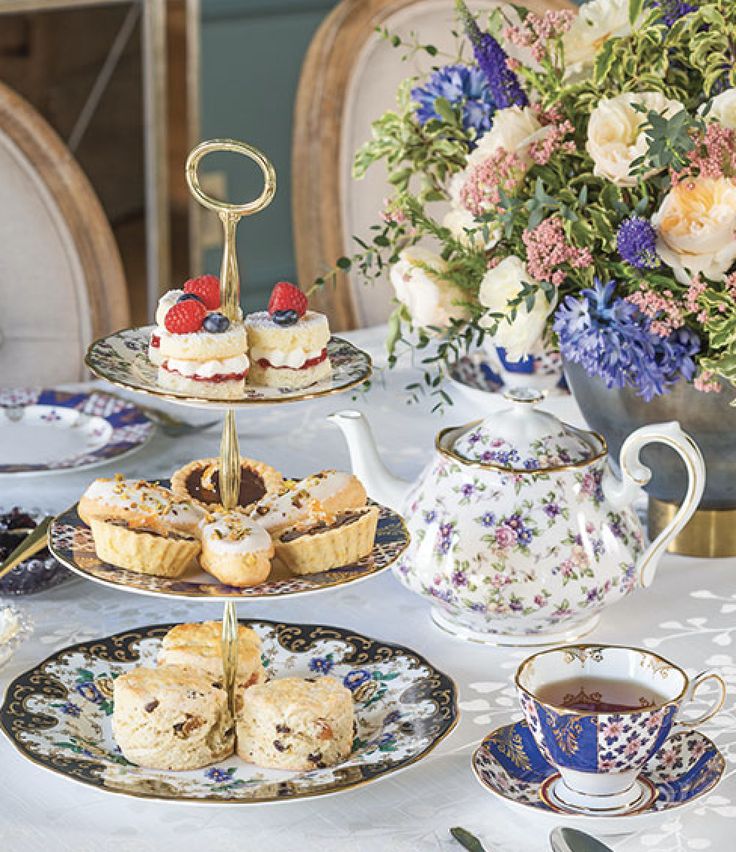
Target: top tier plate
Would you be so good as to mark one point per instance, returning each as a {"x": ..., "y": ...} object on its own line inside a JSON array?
[{"x": 122, "y": 358}]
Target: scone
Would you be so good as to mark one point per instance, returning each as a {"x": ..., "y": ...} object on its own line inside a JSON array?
[
  {"x": 332, "y": 542},
  {"x": 161, "y": 553},
  {"x": 288, "y": 343},
  {"x": 200, "y": 481},
  {"x": 171, "y": 717},
  {"x": 330, "y": 491},
  {"x": 199, "y": 646},
  {"x": 138, "y": 502},
  {"x": 235, "y": 549},
  {"x": 296, "y": 724}
]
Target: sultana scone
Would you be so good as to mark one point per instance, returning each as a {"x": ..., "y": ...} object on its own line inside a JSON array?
[
  {"x": 171, "y": 717},
  {"x": 235, "y": 549},
  {"x": 295, "y": 723},
  {"x": 331, "y": 542},
  {"x": 199, "y": 646},
  {"x": 330, "y": 491},
  {"x": 200, "y": 481},
  {"x": 161, "y": 553},
  {"x": 139, "y": 502}
]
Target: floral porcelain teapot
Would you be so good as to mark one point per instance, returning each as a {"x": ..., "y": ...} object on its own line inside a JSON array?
[{"x": 520, "y": 531}]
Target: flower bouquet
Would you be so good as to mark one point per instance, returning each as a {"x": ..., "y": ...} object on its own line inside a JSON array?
[{"x": 567, "y": 181}]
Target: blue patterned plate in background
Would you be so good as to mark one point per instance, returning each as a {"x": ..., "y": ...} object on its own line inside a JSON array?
[
  {"x": 50, "y": 431},
  {"x": 58, "y": 715}
]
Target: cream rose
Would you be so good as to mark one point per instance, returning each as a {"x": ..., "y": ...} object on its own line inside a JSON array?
[
  {"x": 696, "y": 228},
  {"x": 461, "y": 223},
  {"x": 615, "y": 137},
  {"x": 522, "y": 335},
  {"x": 514, "y": 129},
  {"x": 418, "y": 283},
  {"x": 723, "y": 109},
  {"x": 597, "y": 21}
]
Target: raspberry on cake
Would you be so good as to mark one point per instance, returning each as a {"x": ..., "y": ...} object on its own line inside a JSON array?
[{"x": 288, "y": 343}]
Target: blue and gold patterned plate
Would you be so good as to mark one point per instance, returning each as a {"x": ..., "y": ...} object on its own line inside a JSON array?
[
  {"x": 71, "y": 542},
  {"x": 52, "y": 431},
  {"x": 58, "y": 715},
  {"x": 508, "y": 764},
  {"x": 122, "y": 359}
]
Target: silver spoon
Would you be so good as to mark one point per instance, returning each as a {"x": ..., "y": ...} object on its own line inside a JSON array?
[{"x": 571, "y": 840}]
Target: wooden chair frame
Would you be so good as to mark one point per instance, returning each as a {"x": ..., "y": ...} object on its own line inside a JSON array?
[{"x": 316, "y": 157}]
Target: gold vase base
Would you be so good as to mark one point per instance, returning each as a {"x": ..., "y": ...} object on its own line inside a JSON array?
[{"x": 710, "y": 533}]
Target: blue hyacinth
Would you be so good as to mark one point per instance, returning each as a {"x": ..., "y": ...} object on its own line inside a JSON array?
[
  {"x": 611, "y": 339},
  {"x": 672, "y": 10},
  {"x": 462, "y": 86},
  {"x": 636, "y": 242},
  {"x": 505, "y": 88}
]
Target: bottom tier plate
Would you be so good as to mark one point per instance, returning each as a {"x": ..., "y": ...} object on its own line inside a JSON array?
[{"x": 58, "y": 715}]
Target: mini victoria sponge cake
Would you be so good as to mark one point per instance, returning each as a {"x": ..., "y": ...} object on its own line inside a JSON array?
[
  {"x": 199, "y": 646},
  {"x": 171, "y": 717},
  {"x": 200, "y": 481},
  {"x": 297, "y": 724},
  {"x": 288, "y": 356}
]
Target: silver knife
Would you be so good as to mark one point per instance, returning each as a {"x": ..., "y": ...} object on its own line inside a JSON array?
[{"x": 572, "y": 840}]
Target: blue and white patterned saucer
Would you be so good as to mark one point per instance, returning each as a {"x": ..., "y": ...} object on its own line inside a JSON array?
[
  {"x": 477, "y": 378},
  {"x": 51, "y": 431},
  {"x": 508, "y": 764}
]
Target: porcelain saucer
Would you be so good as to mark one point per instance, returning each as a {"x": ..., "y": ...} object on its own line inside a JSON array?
[{"x": 508, "y": 764}]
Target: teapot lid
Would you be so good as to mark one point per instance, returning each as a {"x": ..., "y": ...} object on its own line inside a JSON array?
[{"x": 521, "y": 438}]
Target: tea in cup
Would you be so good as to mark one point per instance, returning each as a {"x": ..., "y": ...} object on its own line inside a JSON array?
[{"x": 598, "y": 713}]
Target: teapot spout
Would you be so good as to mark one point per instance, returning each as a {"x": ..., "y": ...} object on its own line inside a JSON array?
[{"x": 367, "y": 465}]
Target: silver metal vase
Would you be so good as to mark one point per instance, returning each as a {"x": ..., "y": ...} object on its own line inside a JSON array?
[{"x": 708, "y": 418}]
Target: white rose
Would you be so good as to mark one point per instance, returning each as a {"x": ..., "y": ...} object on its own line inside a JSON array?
[
  {"x": 460, "y": 221},
  {"x": 521, "y": 335},
  {"x": 417, "y": 280},
  {"x": 514, "y": 129},
  {"x": 597, "y": 21},
  {"x": 615, "y": 137},
  {"x": 696, "y": 228},
  {"x": 723, "y": 109}
]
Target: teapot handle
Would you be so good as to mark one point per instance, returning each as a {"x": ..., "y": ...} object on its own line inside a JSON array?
[{"x": 635, "y": 475}]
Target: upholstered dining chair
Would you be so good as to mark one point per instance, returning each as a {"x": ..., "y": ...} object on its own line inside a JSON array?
[
  {"x": 61, "y": 279},
  {"x": 349, "y": 78}
]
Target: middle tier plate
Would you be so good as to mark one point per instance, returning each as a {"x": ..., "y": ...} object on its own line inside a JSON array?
[
  {"x": 71, "y": 542},
  {"x": 122, "y": 359}
]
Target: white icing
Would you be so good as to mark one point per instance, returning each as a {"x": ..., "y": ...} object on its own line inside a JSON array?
[
  {"x": 165, "y": 303},
  {"x": 263, "y": 319},
  {"x": 280, "y": 509},
  {"x": 208, "y": 369},
  {"x": 233, "y": 532},
  {"x": 138, "y": 495},
  {"x": 281, "y": 358}
]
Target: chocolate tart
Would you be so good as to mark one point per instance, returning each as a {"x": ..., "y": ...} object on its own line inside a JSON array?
[{"x": 200, "y": 481}]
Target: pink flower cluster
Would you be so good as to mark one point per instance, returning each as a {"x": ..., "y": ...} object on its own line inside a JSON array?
[
  {"x": 695, "y": 290},
  {"x": 714, "y": 155},
  {"x": 548, "y": 250},
  {"x": 554, "y": 140},
  {"x": 481, "y": 192},
  {"x": 664, "y": 309},
  {"x": 536, "y": 31},
  {"x": 706, "y": 382}
]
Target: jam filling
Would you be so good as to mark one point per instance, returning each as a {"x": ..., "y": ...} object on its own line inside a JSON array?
[
  {"x": 340, "y": 521},
  {"x": 216, "y": 380},
  {"x": 155, "y": 341},
  {"x": 312, "y": 362},
  {"x": 252, "y": 487}
]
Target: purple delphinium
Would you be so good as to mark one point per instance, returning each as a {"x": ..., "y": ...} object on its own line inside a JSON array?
[
  {"x": 672, "y": 10},
  {"x": 611, "y": 339},
  {"x": 461, "y": 86},
  {"x": 505, "y": 88},
  {"x": 636, "y": 242}
]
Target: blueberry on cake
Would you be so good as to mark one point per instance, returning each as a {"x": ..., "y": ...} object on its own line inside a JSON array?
[
  {"x": 294, "y": 723},
  {"x": 288, "y": 342}
]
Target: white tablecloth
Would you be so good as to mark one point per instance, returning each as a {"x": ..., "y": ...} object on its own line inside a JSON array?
[{"x": 688, "y": 616}]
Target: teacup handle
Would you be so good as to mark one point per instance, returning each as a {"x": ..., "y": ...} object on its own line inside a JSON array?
[{"x": 694, "y": 686}]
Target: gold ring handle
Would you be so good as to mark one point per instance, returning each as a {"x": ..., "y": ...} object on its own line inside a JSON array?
[
  {"x": 248, "y": 208},
  {"x": 695, "y": 685}
]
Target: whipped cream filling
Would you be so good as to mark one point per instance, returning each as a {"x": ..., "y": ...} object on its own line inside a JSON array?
[
  {"x": 233, "y": 532},
  {"x": 165, "y": 303},
  {"x": 208, "y": 369},
  {"x": 293, "y": 358}
]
